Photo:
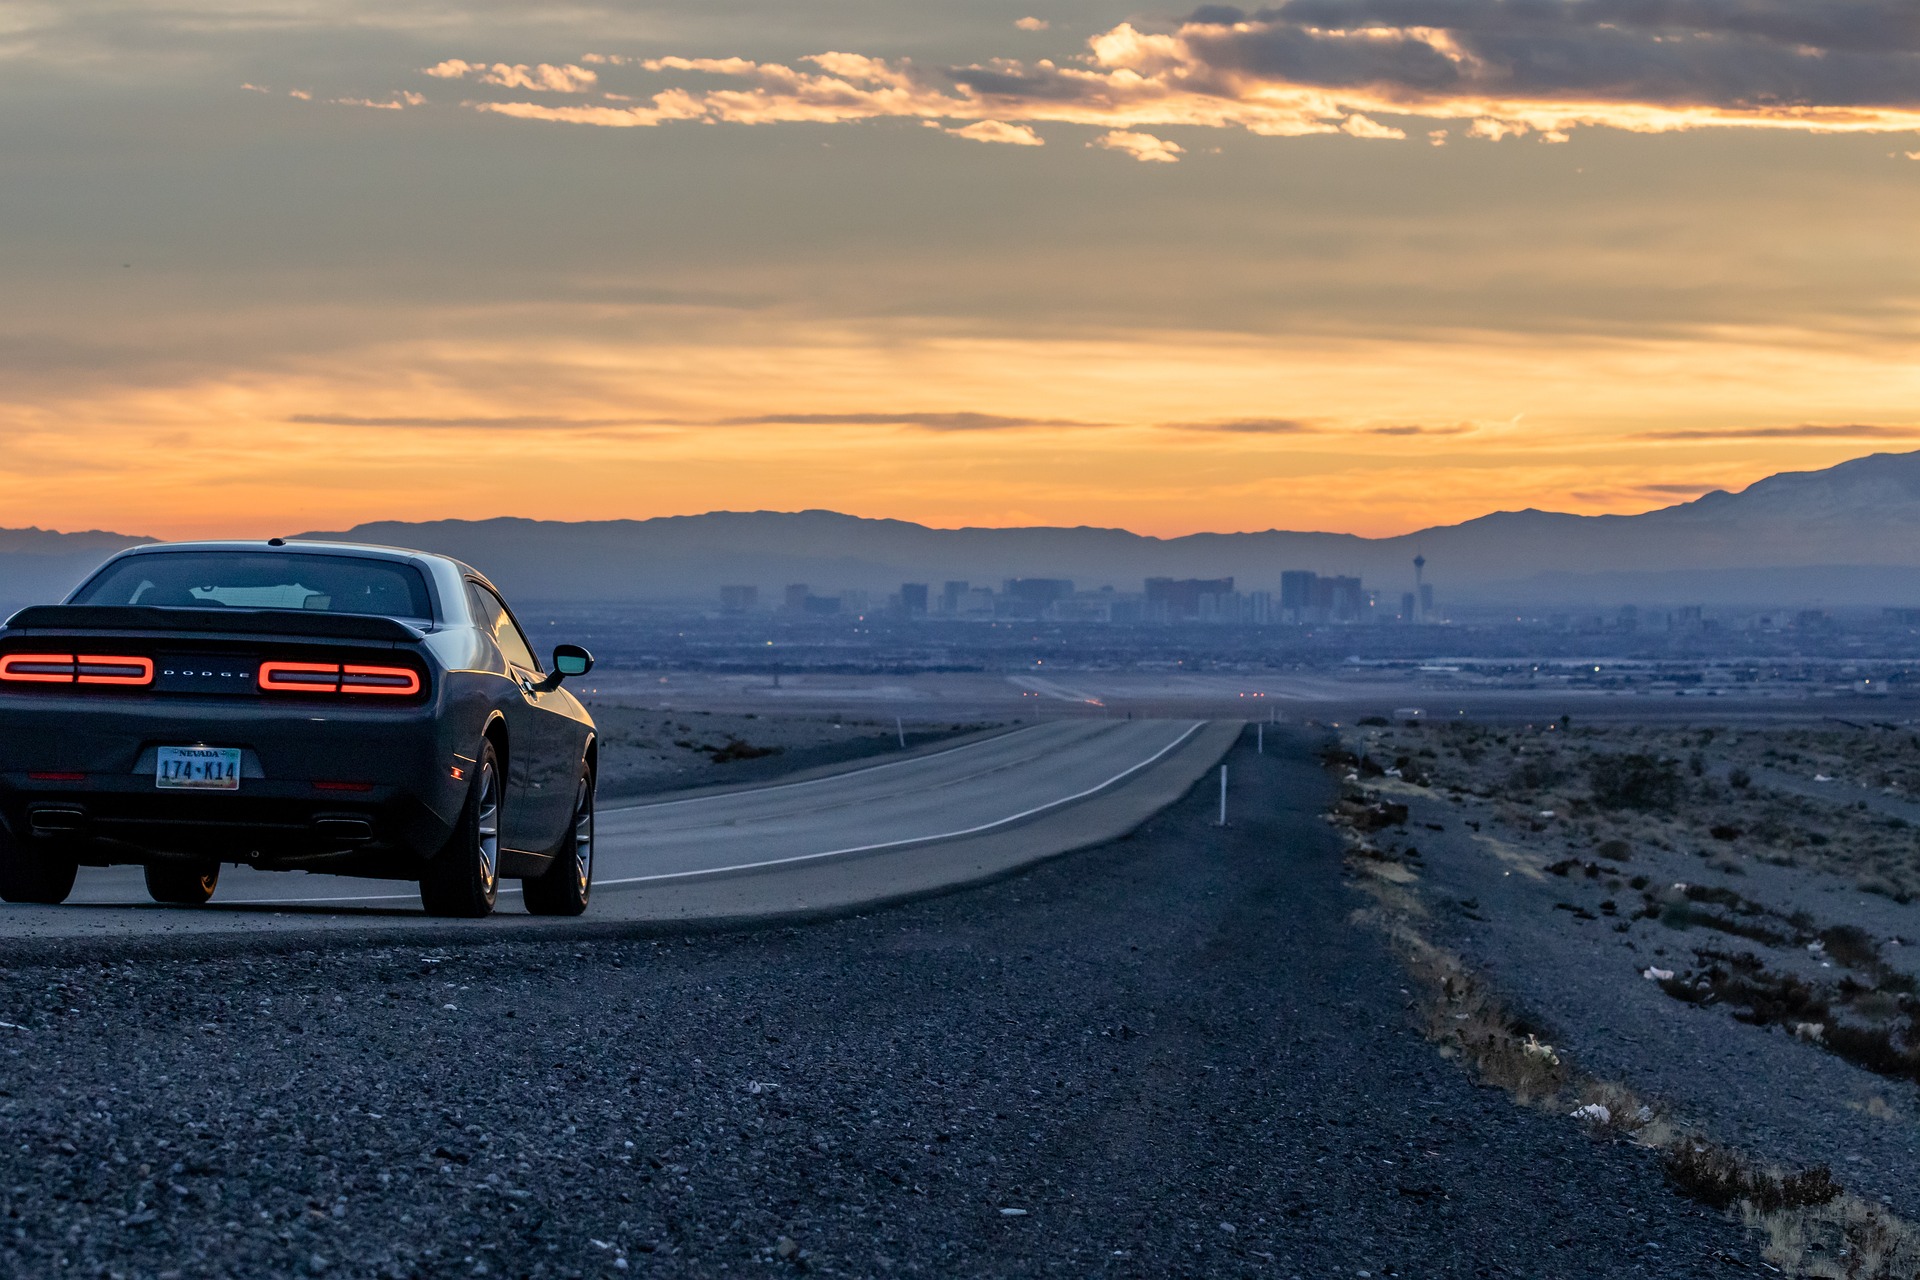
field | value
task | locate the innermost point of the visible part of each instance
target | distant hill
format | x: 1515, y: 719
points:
x: 1848, y: 535
x: 38, y: 565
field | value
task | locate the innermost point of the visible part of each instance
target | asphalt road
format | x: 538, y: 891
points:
x: 865, y: 834
x: 1171, y: 1054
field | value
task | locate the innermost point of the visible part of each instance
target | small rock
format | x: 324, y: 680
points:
x: 1652, y: 974
x: 785, y: 1247
x: 1593, y: 1113
x: 1013, y: 1213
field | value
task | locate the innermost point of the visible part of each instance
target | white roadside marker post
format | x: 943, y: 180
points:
x: 1260, y: 739
x: 901, y: 732
x: 1223, y: 795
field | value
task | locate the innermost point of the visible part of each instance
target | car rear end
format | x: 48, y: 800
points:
x: 281, y: 738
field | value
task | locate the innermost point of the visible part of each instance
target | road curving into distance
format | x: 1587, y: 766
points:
x: 863, y: 836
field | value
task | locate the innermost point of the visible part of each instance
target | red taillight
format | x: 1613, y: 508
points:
x: 37, y: 668
x: 64, y: 668
x: 98, y: 668
x: 394, y: 680
x: 300, y: 677
x: 58, y: 777
x: 327, y: 677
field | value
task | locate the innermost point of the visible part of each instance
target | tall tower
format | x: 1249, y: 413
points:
x: 1419, y: 596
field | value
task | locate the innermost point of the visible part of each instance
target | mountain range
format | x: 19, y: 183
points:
x: 1847, y: 535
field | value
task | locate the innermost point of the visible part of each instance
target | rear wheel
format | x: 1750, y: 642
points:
x: 186, y: 884
x: 565, y: 886
x: 33, y: 875
x: 464, y: 879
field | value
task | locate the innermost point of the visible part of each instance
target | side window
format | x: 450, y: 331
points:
x: 490, y: 613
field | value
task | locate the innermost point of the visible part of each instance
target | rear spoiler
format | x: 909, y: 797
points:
x: 249, y: 622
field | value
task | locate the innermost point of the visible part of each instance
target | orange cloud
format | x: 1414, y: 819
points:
x: 541, y: 78
x: 1143, y: 147
x: 996, y: 131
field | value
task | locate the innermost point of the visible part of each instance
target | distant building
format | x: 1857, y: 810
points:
x: 1178, y: 599
x: 1406, y: 606
x: 1339, y: 600
x: 1296, y: 594
x: 913, y: 599
x: 797, y: 596
x: 1426, y: 603
x: 739, y: 599
x: 952, y: 596
x: 1031, y: 597
x: 819, y: 606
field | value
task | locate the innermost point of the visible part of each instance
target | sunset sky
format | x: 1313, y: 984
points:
x: 1361, y: 265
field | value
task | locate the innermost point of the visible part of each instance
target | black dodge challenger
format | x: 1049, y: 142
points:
x: 307, y: 706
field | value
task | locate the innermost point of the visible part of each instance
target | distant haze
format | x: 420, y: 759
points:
x: 1849, y: 535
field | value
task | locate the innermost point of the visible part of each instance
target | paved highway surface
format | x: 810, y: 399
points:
x: 866, y: 834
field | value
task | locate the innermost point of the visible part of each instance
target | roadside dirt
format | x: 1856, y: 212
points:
x: 1721, y: 920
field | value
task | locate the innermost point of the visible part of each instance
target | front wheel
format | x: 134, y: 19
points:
x: 30, y: 875
x: 564, y: 887
x: 184, y: 884
x: 464, y: 878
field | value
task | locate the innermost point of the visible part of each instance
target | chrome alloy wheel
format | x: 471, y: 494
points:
x: 487, y: 830
x: 583, y: 836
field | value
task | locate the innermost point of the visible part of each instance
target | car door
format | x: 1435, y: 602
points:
x: 544, y: 744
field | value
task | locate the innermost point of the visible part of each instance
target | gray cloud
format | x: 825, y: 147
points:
x: 1725, y: 53
x: 529, y: 423
x: 1804, y: 431
x: 1248, y: 427
x: 926, y: 421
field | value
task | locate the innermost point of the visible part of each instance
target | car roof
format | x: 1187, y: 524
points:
x: 365, y: 550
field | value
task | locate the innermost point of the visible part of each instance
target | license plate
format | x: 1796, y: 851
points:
x: 198, y: 769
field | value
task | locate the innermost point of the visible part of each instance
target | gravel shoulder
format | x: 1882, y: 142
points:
x: 1171, y: 1054
x: 1637, y: 937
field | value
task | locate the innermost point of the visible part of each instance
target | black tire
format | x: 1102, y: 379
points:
x: 565, y: 886
x: 463, y: 880
x: 185, y: 884
x: 34, y: 875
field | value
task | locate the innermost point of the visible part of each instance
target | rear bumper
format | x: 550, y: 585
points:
x: 366, y: 790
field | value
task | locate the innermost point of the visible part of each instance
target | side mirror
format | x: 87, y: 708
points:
x: 571, y: 660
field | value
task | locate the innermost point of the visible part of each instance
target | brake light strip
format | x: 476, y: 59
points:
x: 65, y: 668
x: 329, y: 677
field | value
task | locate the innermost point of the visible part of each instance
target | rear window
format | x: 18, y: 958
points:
x: 262, y: 580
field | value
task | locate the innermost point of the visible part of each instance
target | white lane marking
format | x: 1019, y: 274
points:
x: 895, y: 844
x: 832, y: 777
x: 804, y: 857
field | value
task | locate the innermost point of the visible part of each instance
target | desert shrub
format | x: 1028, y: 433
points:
x: 1615, y: 851
x: 1534, y: 774
x: 1739, y: 779
x: 1718, y: 1178
x: 1635, y: 781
